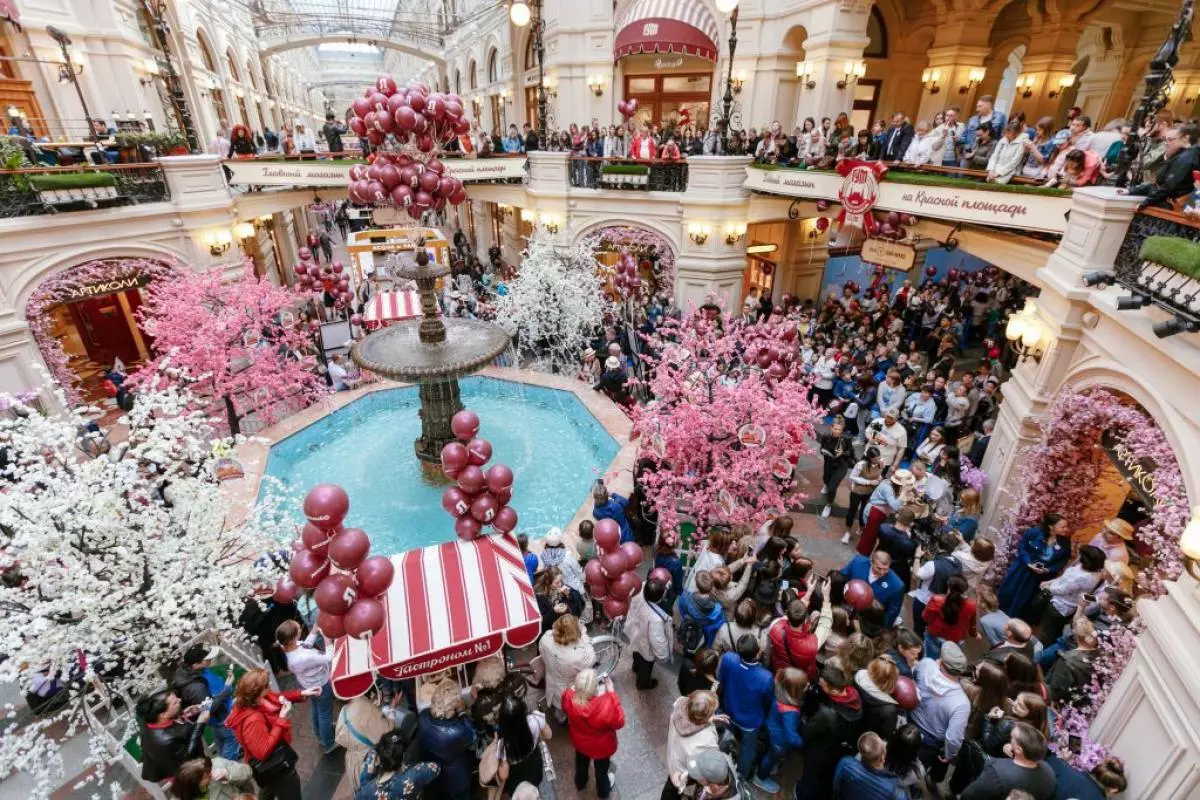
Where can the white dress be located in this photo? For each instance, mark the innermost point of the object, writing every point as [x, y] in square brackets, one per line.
[563, 663]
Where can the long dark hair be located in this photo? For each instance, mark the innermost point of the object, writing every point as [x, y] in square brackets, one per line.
[956, 590]
[514, 728]
[902, 749]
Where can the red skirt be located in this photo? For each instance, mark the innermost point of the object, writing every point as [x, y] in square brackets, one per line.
[870, 531]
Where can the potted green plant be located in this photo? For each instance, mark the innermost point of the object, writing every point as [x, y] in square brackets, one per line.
[130, 144]
[174, 144]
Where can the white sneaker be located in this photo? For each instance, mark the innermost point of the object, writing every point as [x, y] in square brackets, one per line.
[822, 491]
[612, 780]
[825, 512]
[846, 537]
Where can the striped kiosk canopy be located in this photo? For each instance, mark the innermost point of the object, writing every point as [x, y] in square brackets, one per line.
[449, 604]
[667, 26]
[386, 307]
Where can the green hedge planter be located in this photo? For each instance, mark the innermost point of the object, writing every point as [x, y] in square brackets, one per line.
[624, 169]
[1181, 255]
[74, 180]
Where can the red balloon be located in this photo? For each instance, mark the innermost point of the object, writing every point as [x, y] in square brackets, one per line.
[361, 107]
[425, 143]
[764, 358]
[503, 496]
[378, 101]
[458, 197]
[480, 451]
[483, 508]
[506, 520]
[598, 589]
[445, 186]
[465, 425]
[335, 594]
[316, 539]
[930, 271]
[455, 501]
[330, 625]
[286, 591]
[374, 576]
[364, 617]
[404, 118]
[607, 534]
[660, 575]
[499, 477]
[429, 181]
[374, 137]
[906, 693]
[614, 608]
[385, 84]
[349, 548]
[893, 219]
[592, 572]
[357, 125]
[467, 528]
[858, 594]
[471, 480]
[395, 103]
[822, 224]
[436, 166]
[374, 192]
[389, 176]
[455, 457]
[423, 199]
[402, 196]
[417, 101]
[613, 564]
[633, 554]
[307, 569]
[462, 126]
[420, 125]
[624, 586]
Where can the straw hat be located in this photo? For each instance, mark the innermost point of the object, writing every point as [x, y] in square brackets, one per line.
[903, 478]
[1120, 527]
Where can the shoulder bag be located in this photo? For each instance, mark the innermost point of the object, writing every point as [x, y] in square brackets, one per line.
[281, 761]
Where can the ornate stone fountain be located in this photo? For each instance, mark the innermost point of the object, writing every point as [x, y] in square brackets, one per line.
[431, 352]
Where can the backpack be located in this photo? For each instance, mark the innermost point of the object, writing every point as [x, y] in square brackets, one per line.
[691, 636]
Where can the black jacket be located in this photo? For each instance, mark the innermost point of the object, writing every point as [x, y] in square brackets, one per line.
[1173, 180]
[901, 547]
[531, 141]
[165, 749]
[190, 685]
[896, 142]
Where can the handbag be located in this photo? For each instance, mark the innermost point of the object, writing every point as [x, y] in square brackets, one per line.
[281, 761]
[493, 767]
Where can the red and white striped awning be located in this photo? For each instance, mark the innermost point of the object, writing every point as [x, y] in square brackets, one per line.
[449, 604]
[387, 307]
[667, 26]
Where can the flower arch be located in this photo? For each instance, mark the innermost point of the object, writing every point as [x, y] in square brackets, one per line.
[60, 288]
[1056, 479]
[643, 244]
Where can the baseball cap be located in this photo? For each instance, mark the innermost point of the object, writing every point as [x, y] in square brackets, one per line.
[709, 765]
[200, 652]
[953, 660]
[1061, 137]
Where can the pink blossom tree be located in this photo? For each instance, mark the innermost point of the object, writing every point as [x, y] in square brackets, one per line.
[235, 342]
[729, 420]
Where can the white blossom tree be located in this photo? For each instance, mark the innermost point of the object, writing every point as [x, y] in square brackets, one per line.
[112, 562]
[555, 301]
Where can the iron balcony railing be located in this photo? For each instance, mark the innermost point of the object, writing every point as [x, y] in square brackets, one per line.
[50, 190]
[627, 174]
[1165, 287]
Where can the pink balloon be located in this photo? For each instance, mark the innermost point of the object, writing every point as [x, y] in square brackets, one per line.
[335, 594]
[356, 319]
[304, 253]
[374, 576]
[467, 528]
[307, 569]
[613, 564]
[301, 270]
[480, 451]
[465, 425]
[330, 625]
[506, 520]
[455, 501]
[349, 548]
[361, 107]
[286, 591]
[661, 575]
[471, 480]
[624, 586]
[483, 508]
[343, 286]
[365, 617]
[592, 572]
[428, 181]
[455, 457]
[499, 477]
[317, 539]
[614, 608]
[607, 534]
[633, 553]
[633, 105]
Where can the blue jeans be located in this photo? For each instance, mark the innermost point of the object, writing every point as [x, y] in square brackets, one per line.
[322, 716]
[771, 758]
[933, 646]
[225, 743]
[1045, 659]
[747, 750]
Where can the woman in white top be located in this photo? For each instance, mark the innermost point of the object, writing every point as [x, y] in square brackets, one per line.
[312, 669]
[712, 555]
[691, 729]
[975, 557]
[931, 449]
[304, 139]
[744, 621]
[923, 146]
[566, 651]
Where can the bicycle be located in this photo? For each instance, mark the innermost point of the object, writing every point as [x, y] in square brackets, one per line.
[607, 647]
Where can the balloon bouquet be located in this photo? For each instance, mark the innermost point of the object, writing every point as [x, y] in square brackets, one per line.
[478, 498]
[408, 126]
[612, 576]
[859, 596]
[331, 561]
[313, 279]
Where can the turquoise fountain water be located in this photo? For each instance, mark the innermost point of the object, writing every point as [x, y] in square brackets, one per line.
[555, 447]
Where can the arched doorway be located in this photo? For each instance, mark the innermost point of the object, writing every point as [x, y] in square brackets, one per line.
[84, 318]
[652, 250]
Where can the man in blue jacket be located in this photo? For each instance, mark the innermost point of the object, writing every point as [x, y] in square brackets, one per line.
[610, 505]
[747, 689]
[701, 607]
[877, 572]
[865, 778]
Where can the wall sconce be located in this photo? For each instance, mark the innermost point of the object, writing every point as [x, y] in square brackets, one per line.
[244, 230]
[596, 84]
[974, 77]
[150, 67]
[735, 232]
[738, 81]
[550, 86]
[854, 71]
[1189, 543]
[930, 78]
[263, 221]
[804, 73]
[1064, 83]
[698, 232]
[218, 241]
[551, 222]
[69, 71]
[506, 95]
[504, 211]
[1027, 334]
[1025, 86]
[528, 215]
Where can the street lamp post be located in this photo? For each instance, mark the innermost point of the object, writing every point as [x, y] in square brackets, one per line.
[68, 71]
[156, 13]
[521, 16]
[730, 7]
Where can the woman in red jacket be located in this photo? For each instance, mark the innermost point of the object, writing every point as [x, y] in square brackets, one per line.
[259, 721]
[594, 716]
[950, 617]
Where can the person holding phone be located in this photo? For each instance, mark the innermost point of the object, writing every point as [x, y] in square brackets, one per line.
[260, 722]
[1042, 554]
[313, 670]
[595, 715]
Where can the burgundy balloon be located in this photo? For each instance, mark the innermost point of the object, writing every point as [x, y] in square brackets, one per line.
[378, 101]
[374, 137]
[420, 124]
[465, 424]
[660, 575]
[361, 107]
[304, 253]
[468, 528]
[906, 693]
[365, 617]
[417, 101]
[436, 165]
[330, 625]
[374, 576]
[405, 118]
[503, 496]
[624, 585]
[389, 176]
[592, 572]
[385, 84]
[455, 456]
[455, 501]
[425, 143]
[286, 591]
[335, 594]
[633, 553]
[858, 594]
[349, 548]
[598, 589]
[445, 186]
[317, 539]
[499, 477]
[395, 103]
[607, 534]
[402, 196]
[458, 197]
[483, 508]
[326, 505]
[506, 520]
[428, 181]
[375, 192]
[614, 608]
[358, 126]
[423, 199]
[480, 451]
[471, 480]
[613, 564]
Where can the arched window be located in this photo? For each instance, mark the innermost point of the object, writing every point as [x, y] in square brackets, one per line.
[530, 54]
[457, 82]
[877, 47]
[250, 75]
[206, 56]
[231, 60]
[493, 66]
[266, 73]
[472, 76]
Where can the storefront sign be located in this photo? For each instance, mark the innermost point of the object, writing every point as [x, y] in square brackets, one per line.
[86, 291]
[327, 173]
[1136, 469]
[894, 255]
[668, 63]
[1036, 212]
[468, 170]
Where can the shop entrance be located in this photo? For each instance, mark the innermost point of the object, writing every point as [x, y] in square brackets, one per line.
[97, 332]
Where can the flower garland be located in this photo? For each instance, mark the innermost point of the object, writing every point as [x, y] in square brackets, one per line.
[644, 243]
[1056, 479]
[61, 288]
